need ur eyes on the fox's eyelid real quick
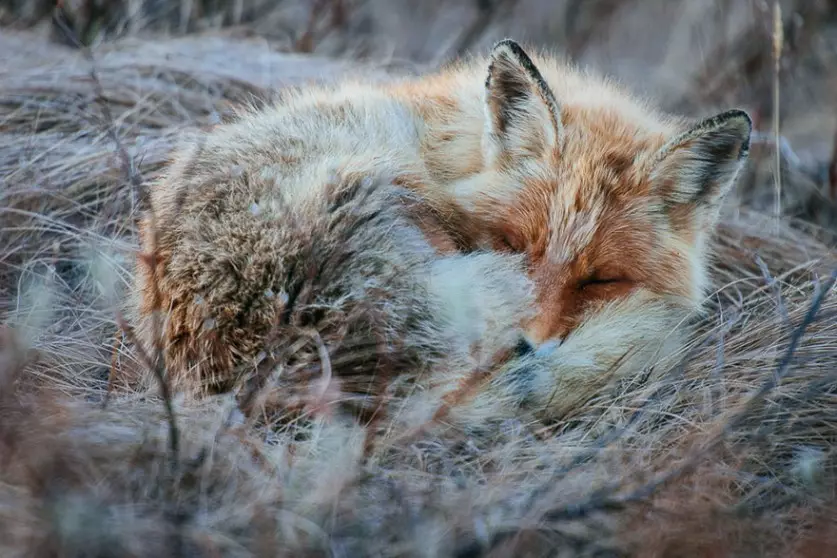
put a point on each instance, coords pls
(596, 279)
(511, 244)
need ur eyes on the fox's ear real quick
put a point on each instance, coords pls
(522, 117)
(699, 167)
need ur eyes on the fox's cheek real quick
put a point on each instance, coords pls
(593, 299)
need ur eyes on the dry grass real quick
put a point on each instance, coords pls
(732, 453)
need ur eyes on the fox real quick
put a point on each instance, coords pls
(306, 244)
(571, 218)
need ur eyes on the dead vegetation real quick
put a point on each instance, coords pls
(732, 453)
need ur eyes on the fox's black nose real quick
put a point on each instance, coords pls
(523, 348)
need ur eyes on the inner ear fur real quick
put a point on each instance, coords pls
(699, 166)
(522, 116)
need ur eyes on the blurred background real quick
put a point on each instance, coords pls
(693, 56)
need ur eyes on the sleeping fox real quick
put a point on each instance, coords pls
(582, 214)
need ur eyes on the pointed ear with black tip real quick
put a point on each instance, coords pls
(695, 170)
(522, 117)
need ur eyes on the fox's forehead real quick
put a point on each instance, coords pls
(598, 185)
(570, 231)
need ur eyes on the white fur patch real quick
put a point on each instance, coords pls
(632, 333)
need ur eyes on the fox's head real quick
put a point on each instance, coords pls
(611, 204)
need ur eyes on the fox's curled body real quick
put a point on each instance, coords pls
(510, 213)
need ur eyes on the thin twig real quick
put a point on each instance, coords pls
(156, 365)
(777, 58)
(832, 171)
(128, 167)
(159, 373)
(777, 290)
(114, 365)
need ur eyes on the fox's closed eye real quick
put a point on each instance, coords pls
(596, 279)
(511, 244)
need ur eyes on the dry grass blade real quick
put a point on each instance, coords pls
(778, 43)
(155, 364)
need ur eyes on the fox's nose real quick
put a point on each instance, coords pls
(523, 348)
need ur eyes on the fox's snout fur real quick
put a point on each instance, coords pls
(512, 205)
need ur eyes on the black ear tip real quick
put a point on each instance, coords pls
(741, 115)
(738, 118)
(506, 43)
(742, 122)
(508, 47)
